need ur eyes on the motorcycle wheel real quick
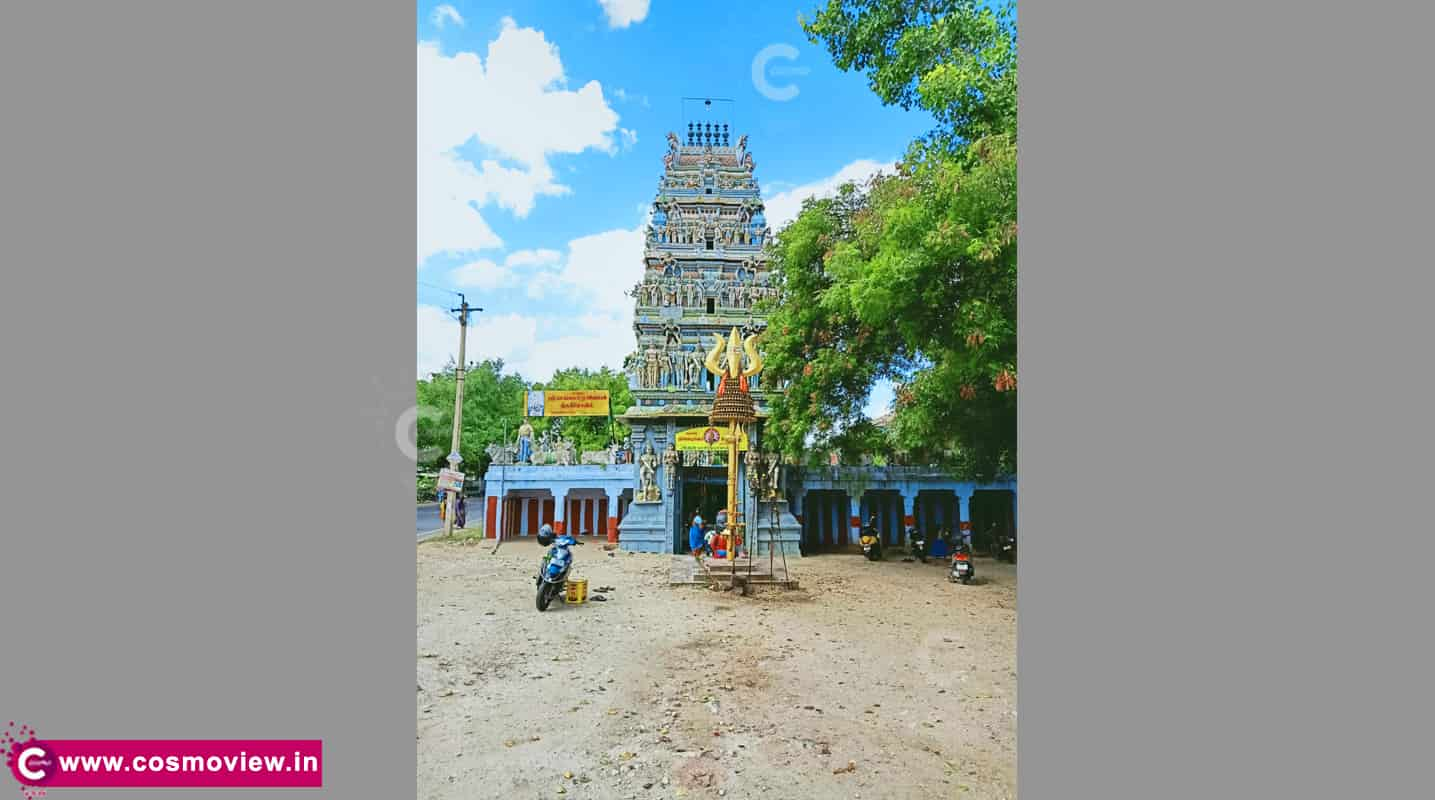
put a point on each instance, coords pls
(544, 597)
(967, 579)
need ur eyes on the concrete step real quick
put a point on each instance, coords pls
(686, 572)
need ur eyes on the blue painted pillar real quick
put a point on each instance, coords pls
(560, 512)
(854, 506)
(964, 517)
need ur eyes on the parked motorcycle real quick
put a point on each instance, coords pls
(962, 567)
(1006, 547)
(871, 541)
(552, 576)
(918, 543)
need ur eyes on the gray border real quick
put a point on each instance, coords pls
(209, 220)
(1225, 400)
(207, 319)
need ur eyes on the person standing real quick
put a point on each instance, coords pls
(695, 536)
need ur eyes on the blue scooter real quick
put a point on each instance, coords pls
(557, 562)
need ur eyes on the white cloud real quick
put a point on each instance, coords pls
(625, 97)
(445, 14)
(481, 274)
(542, 285)
(622, 13)
(600, 267)
(629, 137)
(783, 207)
(486, 274)
(527, 258)
(592, 341)
(587, 340)
(585, 318)
(513, 104)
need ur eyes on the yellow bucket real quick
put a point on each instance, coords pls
(576, 591)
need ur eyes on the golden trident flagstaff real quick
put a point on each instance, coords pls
(734, 406)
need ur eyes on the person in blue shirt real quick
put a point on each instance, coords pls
(695, 537)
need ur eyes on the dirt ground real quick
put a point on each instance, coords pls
(874, 680)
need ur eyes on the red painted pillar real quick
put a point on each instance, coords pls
(490, 519)
(532, 517)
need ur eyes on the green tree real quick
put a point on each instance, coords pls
(589, 433)
(953, 58)
(492, 412)
(910, 277)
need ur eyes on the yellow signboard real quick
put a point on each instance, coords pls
(581, 403)
(713, 438)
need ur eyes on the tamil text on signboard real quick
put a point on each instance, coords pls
(713, 438)
(577, 403)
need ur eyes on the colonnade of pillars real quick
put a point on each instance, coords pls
(578, 514)
(834, 518)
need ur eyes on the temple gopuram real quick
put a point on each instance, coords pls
(705, 272)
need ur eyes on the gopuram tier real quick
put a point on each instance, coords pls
(705, 273)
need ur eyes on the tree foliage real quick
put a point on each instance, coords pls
(953, 58)
(589, 433)
(910, 277)
(493, 410)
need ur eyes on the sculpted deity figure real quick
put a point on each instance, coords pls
(695, 369)
(633, 367)
(670, 461)
(774, 474)
(652, 367)
(500, 454)
(525, 443)
(755, 473)
(747, 161)
(648, 475)
(564, 452)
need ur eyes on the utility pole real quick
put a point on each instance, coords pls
(454, 457)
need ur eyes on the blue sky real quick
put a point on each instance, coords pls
(541, 132)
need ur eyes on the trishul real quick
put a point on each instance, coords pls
(731, 366)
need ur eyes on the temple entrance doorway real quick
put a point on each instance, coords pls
(704, 491)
